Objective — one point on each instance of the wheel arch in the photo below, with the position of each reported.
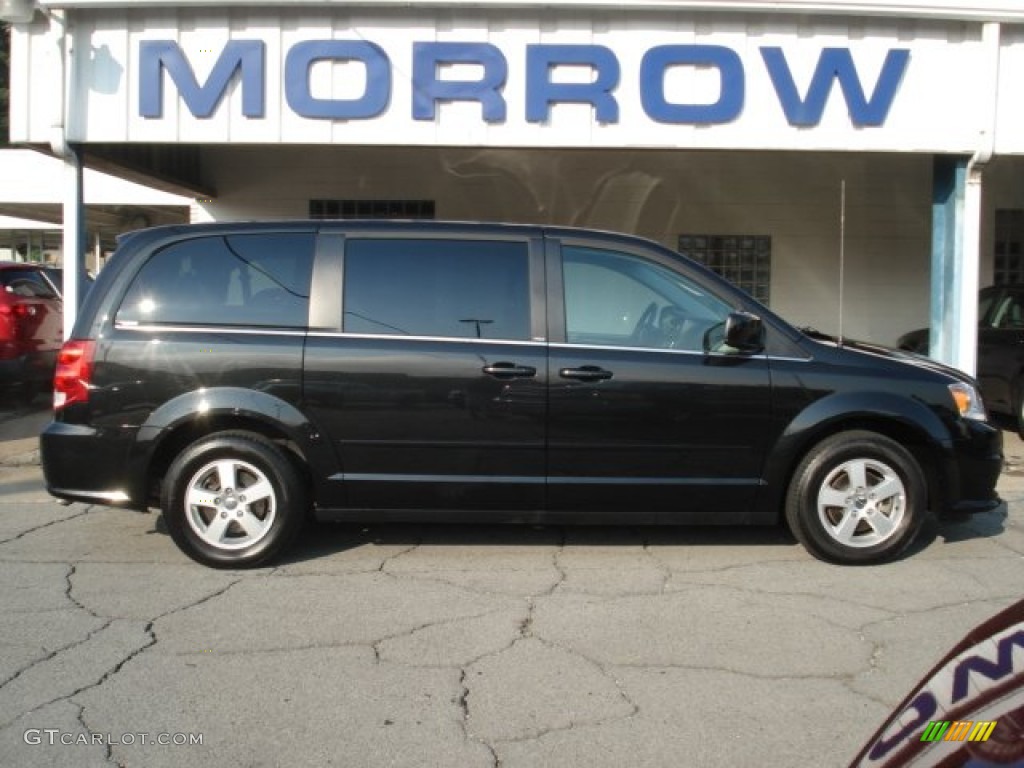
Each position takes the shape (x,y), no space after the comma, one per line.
(909,422)
(191,416)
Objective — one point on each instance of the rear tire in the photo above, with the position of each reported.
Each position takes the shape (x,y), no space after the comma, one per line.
(233,500)
(857,497)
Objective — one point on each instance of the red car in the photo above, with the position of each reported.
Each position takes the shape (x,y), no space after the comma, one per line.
(31,327)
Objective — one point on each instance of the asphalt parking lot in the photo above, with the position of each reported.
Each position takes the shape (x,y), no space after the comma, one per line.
(466,646)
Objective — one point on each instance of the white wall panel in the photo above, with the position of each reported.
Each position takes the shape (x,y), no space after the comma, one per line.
(1010,123)
(984,10)
(794,198)
(936,107)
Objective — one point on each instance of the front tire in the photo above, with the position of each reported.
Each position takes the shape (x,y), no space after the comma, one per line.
(857,497)
(233,500)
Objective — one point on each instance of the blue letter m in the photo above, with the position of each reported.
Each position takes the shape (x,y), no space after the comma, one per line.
(1001,668)
(836,64)
(155,56)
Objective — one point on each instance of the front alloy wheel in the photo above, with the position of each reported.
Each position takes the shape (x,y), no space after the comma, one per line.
(861,503)
(857,497)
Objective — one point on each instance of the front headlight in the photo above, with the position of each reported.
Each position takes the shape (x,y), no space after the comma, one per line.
(967,400)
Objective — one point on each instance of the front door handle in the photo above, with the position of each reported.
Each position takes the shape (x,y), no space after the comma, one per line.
(505,370)
(585,373)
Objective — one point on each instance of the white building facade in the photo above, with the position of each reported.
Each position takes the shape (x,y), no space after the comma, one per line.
(857,165)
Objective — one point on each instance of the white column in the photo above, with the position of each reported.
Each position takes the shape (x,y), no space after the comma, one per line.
(74,236)
(966,334)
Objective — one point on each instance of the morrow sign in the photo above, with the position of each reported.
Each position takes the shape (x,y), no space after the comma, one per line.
(245,61)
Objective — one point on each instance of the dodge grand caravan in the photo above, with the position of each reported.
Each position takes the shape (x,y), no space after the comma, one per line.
(244,377)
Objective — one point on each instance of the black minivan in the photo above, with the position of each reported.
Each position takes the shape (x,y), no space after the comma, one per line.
(245,376)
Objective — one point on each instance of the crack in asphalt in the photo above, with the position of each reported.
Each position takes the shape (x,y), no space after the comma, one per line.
(108,747)
(661,565)
(52,654)
(526,626)
(462,702)
(107,622)
(202,600)
(375,644)
(148,629)
(391,558)
(997,540)
(45,525)
(68,592)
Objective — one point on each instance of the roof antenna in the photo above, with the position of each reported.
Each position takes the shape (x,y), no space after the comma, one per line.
(842,254)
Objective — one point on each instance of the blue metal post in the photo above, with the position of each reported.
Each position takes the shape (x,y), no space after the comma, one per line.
(949,183)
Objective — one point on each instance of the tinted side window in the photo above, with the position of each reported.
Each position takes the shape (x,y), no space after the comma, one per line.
(26,282)
(260,279)
(447,288)
(617,299)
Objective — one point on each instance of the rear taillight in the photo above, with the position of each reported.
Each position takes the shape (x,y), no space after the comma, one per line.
(74,373)
(9,347)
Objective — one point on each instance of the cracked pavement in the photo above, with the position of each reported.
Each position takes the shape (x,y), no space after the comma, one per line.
(465,646)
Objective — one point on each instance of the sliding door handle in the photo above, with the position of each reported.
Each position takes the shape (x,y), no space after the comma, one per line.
(585,373)
(510,371)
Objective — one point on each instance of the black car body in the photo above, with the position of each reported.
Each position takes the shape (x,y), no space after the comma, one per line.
(1000,349)
(242,374)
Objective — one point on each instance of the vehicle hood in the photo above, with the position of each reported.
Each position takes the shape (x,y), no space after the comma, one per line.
(898,356)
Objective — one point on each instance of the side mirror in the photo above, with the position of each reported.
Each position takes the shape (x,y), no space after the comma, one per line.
(741,332)
(744,332)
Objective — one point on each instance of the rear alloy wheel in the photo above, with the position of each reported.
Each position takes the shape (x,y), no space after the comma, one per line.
(857,497)
(233,500)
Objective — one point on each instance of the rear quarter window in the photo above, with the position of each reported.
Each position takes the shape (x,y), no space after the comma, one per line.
(238,280)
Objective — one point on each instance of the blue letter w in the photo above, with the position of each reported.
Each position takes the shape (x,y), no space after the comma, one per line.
(836,64)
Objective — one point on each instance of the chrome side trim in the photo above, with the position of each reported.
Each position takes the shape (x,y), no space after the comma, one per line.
(219,329)
(689,352)
(388,478)
(447,339)
(536,480)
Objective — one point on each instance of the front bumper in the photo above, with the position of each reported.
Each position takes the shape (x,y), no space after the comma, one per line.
(972,471)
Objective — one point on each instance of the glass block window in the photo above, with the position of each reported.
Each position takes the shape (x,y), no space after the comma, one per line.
(743,260)
(1008,263)
(371,209)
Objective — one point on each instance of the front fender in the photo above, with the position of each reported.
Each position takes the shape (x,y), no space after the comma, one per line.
(896,415)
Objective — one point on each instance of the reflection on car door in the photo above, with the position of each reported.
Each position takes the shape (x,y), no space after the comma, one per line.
(641,419)
(434,393)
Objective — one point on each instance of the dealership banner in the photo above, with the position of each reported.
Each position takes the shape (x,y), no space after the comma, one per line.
(599,78)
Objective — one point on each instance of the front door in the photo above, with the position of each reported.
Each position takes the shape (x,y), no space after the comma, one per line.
(643,420)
